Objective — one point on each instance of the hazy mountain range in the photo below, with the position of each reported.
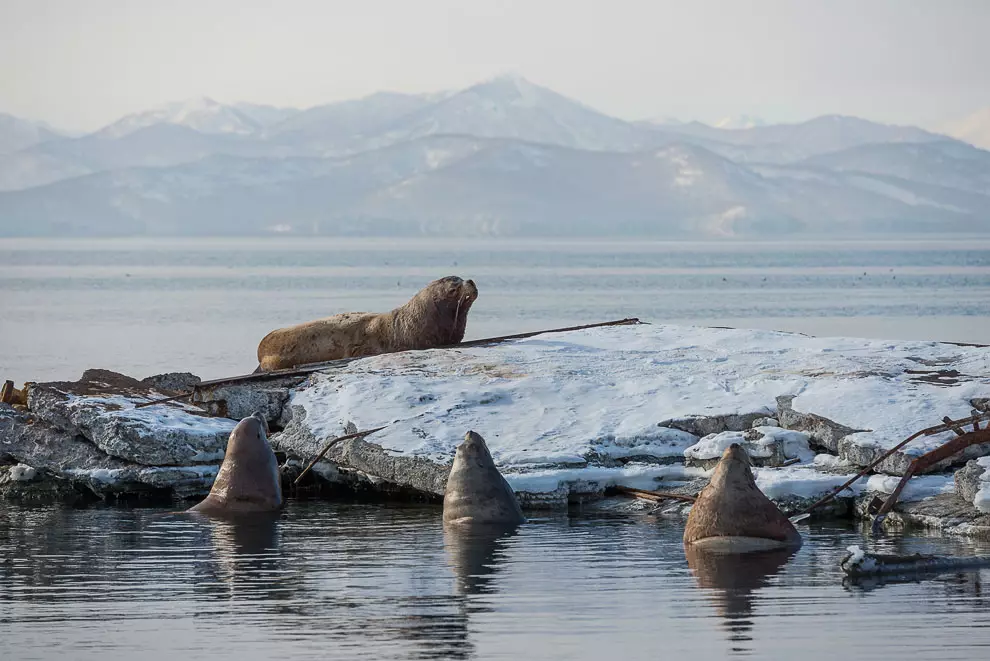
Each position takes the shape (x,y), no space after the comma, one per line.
(503,157)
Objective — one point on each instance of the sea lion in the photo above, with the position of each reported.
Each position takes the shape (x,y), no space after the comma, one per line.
(732,515)
(435,316)
(476,492)
(248,480)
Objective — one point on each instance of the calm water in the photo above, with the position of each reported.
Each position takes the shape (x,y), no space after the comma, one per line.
(147,306)
(376,582)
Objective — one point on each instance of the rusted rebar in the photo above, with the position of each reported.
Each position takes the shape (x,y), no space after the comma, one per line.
(931,431)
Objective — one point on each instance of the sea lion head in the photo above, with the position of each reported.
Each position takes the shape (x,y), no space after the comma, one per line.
(440,309)
(248,479)
(473,450)
(476,492)
(732,514)
(734,468)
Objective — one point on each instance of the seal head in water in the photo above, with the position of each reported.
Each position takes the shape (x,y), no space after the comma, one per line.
(476,492)
(248,480)
(732,515)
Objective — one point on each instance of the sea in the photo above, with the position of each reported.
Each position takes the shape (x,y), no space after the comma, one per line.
(146,306)
(346,580)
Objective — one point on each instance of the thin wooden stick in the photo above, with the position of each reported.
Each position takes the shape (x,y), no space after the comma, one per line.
(655,496)
(333,442)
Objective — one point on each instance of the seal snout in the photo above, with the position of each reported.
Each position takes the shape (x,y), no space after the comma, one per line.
(736,452)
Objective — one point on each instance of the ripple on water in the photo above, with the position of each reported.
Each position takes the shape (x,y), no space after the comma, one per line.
(346,581)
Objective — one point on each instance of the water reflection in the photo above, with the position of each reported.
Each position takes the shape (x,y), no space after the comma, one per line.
(347,581)
(474,553)
(731,579)
(246,558)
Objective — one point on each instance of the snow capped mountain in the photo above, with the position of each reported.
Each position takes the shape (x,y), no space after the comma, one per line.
(513,107)
(974,129)
(17,133)
(204,115)
(504,156)
(335,125)
(739,122)
(790,143)
(264,115)
(945,163)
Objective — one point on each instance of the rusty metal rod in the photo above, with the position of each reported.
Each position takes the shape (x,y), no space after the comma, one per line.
(931,431)
(949,449)
(326,448)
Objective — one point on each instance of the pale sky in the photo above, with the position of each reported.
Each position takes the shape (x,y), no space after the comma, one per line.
(80,64)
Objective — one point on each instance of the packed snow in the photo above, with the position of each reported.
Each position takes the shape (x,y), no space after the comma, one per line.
(569,406)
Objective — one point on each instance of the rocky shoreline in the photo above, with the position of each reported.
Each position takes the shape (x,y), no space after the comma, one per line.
(568,416)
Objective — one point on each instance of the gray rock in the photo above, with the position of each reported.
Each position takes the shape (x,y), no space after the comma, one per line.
(101,407)
(766,446)
(704,425)
(43,489)
(824,432)
(765,422)
(69,464)
(967,480)
(980,403)
(26,439)
(863,454)
(370,459)
(946,513)
(240,399)
(172,382)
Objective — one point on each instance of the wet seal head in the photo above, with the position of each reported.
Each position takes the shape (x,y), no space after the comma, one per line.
(435,316)
(248,480)
(732,515)
(476,492)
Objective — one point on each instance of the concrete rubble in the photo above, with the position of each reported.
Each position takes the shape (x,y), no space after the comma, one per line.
(85,439)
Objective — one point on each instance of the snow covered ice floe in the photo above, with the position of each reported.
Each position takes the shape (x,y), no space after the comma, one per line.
(566,408)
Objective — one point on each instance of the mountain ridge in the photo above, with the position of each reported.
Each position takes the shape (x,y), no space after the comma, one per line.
(503,156)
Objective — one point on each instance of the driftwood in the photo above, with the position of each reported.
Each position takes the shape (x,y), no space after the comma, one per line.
(329,445)
(302,370)
(655,496)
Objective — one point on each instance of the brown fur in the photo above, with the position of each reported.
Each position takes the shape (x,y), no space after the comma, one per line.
(732,506)
(436,316)
(248,480)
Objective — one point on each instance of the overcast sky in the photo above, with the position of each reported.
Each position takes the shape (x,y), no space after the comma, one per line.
(80,64)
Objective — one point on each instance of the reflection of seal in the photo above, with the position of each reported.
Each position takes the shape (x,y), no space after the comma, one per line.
(435,316)
(732,578)
(248,480)
(474,553)
(732,514)
(476,492)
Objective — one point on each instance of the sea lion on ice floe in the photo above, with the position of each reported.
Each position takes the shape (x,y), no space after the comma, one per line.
(248,480)
(435,316)
(732,515)
(476,492)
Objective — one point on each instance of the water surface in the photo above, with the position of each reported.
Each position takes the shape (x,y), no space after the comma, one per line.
(330,580)
(144,306)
